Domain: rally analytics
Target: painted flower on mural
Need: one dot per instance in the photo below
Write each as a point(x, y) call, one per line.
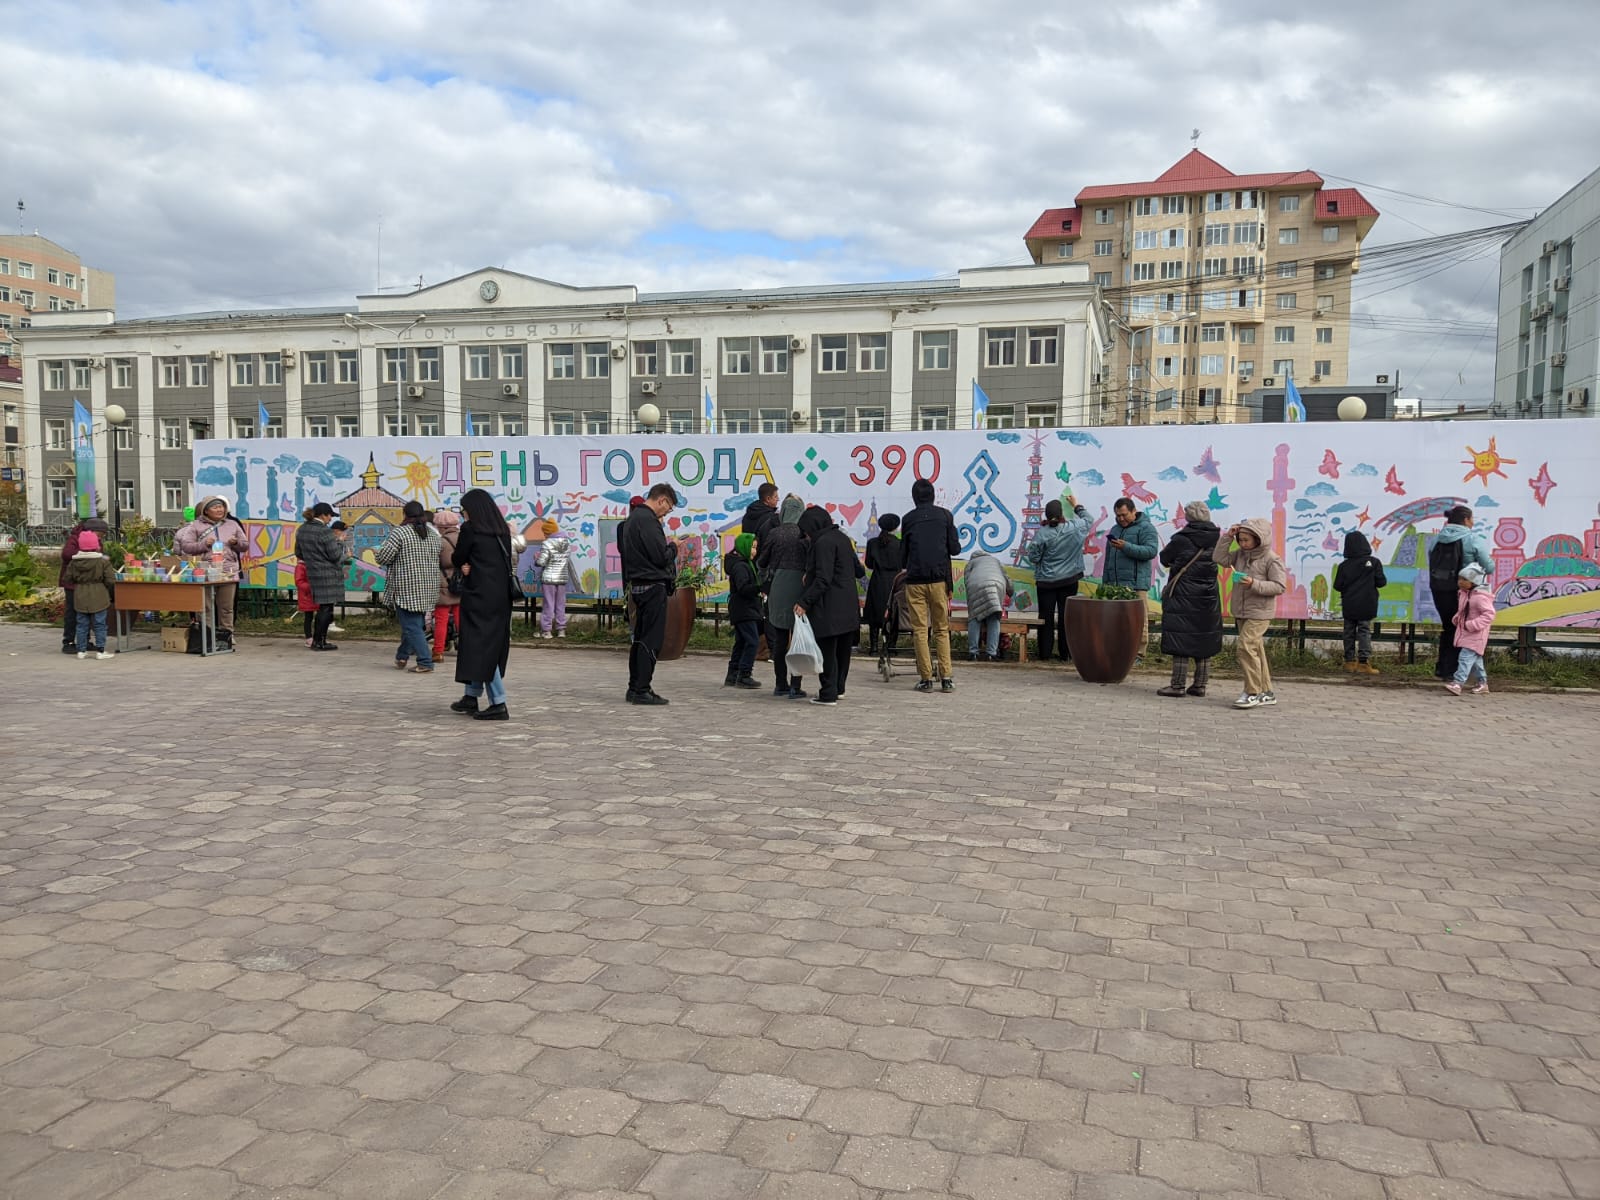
point(587, 529)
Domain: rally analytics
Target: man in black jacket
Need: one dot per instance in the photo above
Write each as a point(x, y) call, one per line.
point(650, 565)
point(763, 511)
point(929, 536)
point(830, 601)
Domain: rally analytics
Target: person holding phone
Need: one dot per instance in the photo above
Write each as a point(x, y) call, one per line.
point(1130, 549)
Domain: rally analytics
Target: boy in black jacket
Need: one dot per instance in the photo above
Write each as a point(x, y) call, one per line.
point(1357, 580)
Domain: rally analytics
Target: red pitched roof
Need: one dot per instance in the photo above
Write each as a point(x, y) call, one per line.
point(1340, 204)
point(1054, 223)
point(1195, 172)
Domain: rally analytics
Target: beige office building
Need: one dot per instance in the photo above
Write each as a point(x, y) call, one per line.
point(1215, 284)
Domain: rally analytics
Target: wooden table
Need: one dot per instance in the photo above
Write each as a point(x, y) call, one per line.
point(1020, 625)
point(141, 595)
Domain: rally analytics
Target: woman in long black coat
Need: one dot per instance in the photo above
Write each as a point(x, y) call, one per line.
point(1191, 609)
point(885, 557)
point(324, 557)
point(830, 599)
point(484, 555)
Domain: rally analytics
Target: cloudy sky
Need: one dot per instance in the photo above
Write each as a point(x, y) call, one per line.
point(247, 153)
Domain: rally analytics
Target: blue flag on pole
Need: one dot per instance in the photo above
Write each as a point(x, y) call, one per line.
point(83, 458)
point(980, 405)
point(1294, 408)
point(711, 413)
point(266, 418)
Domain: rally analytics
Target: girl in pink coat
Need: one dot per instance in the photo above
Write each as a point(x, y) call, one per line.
point(1474, 616)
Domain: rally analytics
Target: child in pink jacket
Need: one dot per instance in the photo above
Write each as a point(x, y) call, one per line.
point(1473, 618)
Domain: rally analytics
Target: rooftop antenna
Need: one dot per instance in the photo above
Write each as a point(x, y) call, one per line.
point(377, 283)
point(21, 210)
point(1194, 138)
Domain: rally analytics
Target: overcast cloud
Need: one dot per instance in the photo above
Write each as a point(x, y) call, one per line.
point(230, 154)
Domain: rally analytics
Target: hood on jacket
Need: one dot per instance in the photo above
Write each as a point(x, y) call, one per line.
point(814, 520)
point(1474, 574)
point(200, 509)
point(1456, 533)
point(446, 522)
point(792, 510)
point(1356, 544)
point(1259, 526)
point(87, 554)
point(558, 544)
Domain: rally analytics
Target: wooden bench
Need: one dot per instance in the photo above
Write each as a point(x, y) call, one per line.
point(1020, 625)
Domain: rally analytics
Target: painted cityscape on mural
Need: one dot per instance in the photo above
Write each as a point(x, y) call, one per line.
point(1532, 486)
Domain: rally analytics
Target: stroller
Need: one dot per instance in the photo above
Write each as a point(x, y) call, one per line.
point(896, 619)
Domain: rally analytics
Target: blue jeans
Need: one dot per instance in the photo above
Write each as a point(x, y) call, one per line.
point(413, 637)
point(496, 686)
point(746, 641)
point(1468, 666)
point(98, 620)
point(989, 629)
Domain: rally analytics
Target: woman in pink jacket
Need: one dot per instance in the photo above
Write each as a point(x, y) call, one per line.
point(1474, 616)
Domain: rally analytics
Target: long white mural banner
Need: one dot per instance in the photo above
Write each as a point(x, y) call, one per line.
point(1533, 486)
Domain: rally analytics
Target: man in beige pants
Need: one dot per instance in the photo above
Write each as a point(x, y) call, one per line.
point(929, 536)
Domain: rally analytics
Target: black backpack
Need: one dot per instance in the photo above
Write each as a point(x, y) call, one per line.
point(1444, 565)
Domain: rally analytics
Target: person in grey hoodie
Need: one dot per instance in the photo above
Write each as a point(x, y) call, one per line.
point(1056, 556)
point(1454, 547)
point(988, 589)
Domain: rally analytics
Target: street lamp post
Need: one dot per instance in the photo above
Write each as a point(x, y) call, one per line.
point(354, 322)
point(116, 420)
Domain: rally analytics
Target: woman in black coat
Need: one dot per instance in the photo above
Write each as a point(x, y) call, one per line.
point(830, 599)
point(324, 555)
point(1191, 609)
point(484, 555)
point(885, 557)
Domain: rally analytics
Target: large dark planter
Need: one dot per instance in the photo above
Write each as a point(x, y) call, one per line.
point(680, 623)
point(1106, 637)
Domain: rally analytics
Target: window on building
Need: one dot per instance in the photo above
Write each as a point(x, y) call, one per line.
point(349, 366)
point(682, 420)
point(597, 422)
point(1243, 298)
point(596, 360)
point(872, 420)
point(55, 376)
point(1174, 205)
point(1143, 272)
point(429, 360)
point(1000, 416)
point(1102, 279)
point(316, 367)
point(1167, 366)
point(935, 350)
point(171, 434)
point(1288, 204)
point(427, 424)
point(244, 370)
point(933, 416)
point(1244, 264)
point(55, 435)
point(244, 427)
point(1247, 368)
point(1283, 333)
point(1246, 233)
point(1289, 237)
point(1042, 415)
point(1144, 206)
point(396, 425)
point(680, 357)
point(1288, 270)
point(126, 500)
point(1042, 347)
point(1219, 201)
point(1145, 239)
point(872, 352)
point(480, 362)
point(736, 356)
point(1168, 335)
point(1172, 269)
point(272, 369)
point(1325, 302)
point(5, 295)
point(1212, 364)
point(51, 275)
point(511, 362)
point(1000, 347)
point(1323, 367)
point(25, 298)
point(199, 371)
point(1327, 271)
point(395, 365)
point(1286, 301)
point(24, 270)
point(1102, 216)
point(1216, 234)
point(1213, 267)
point(349, 426)
point(317, 427)
point(833, 420)
point(1102, 248)
point(735, 420)
point(773, 420)
point(1282, 367)
point(563, 359)
point(1247, 335)
point(60, 494)
point(69, 280)
point(1172, 239)
point(54, 304)
point(512, 426)
point(774, 359)
point(1324, 335)
point(1330, 233)
point(125, 435)
point(1063, 249)
point(562, 422)
point(5, 266)
point(1142, 305)
point(1210, 397)
point(174, 495)
point(645, 360)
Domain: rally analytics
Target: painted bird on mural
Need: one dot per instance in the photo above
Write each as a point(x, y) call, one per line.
point(1208, 467)
point(1330, 465)
point(1216, 500)
point(1393, 484)
point(1134, 489)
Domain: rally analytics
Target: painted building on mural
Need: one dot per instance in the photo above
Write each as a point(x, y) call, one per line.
point(495, 353)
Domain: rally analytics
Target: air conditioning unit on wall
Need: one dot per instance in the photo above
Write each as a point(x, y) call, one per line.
point(1578, 398)
point(416, 391)
point(619, 352)
point(511, 390)
point(649, 387)
point(797, 345)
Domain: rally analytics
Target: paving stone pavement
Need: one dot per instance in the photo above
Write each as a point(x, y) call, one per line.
point(280, 925)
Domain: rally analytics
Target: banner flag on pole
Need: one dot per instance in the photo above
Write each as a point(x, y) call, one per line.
point(1294, 408)
point(980, 405)
point(711, 413)
point(83, 458)
point(266, 418)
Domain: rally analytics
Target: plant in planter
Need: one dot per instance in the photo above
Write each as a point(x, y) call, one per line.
point(681, 607)
point(1106, 631)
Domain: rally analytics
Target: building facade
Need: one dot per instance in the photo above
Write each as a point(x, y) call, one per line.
point(1547, 356)
point(38, 276)
point(497, 353)
point(1216, 283)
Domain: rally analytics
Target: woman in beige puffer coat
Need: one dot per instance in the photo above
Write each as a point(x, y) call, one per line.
point(1259, 578)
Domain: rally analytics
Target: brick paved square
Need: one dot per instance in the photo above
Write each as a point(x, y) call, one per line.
point(910, 947)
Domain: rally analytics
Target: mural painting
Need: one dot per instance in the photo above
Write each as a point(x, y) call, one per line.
point(1533, 485)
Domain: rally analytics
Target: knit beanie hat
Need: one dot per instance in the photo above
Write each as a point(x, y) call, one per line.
point(88, 540)
point(551, 528)
point(1473, 574)
point(1197, 510)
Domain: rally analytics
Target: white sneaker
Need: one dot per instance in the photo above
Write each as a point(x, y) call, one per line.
point(102, 656)
point(544, 635)
point(1247, 700)
point(1266, 698)
point(83, 654)
point(561, 633)
point(335, 628)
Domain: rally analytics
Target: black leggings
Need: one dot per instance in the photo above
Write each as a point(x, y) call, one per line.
point(310, 621)
point(1053, 612)
point(324, 618)
point(778, 648)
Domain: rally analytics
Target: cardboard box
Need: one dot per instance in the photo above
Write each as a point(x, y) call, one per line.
point(175, 639)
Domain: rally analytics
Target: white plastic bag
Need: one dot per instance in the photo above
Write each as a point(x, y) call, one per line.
point(805, 656)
